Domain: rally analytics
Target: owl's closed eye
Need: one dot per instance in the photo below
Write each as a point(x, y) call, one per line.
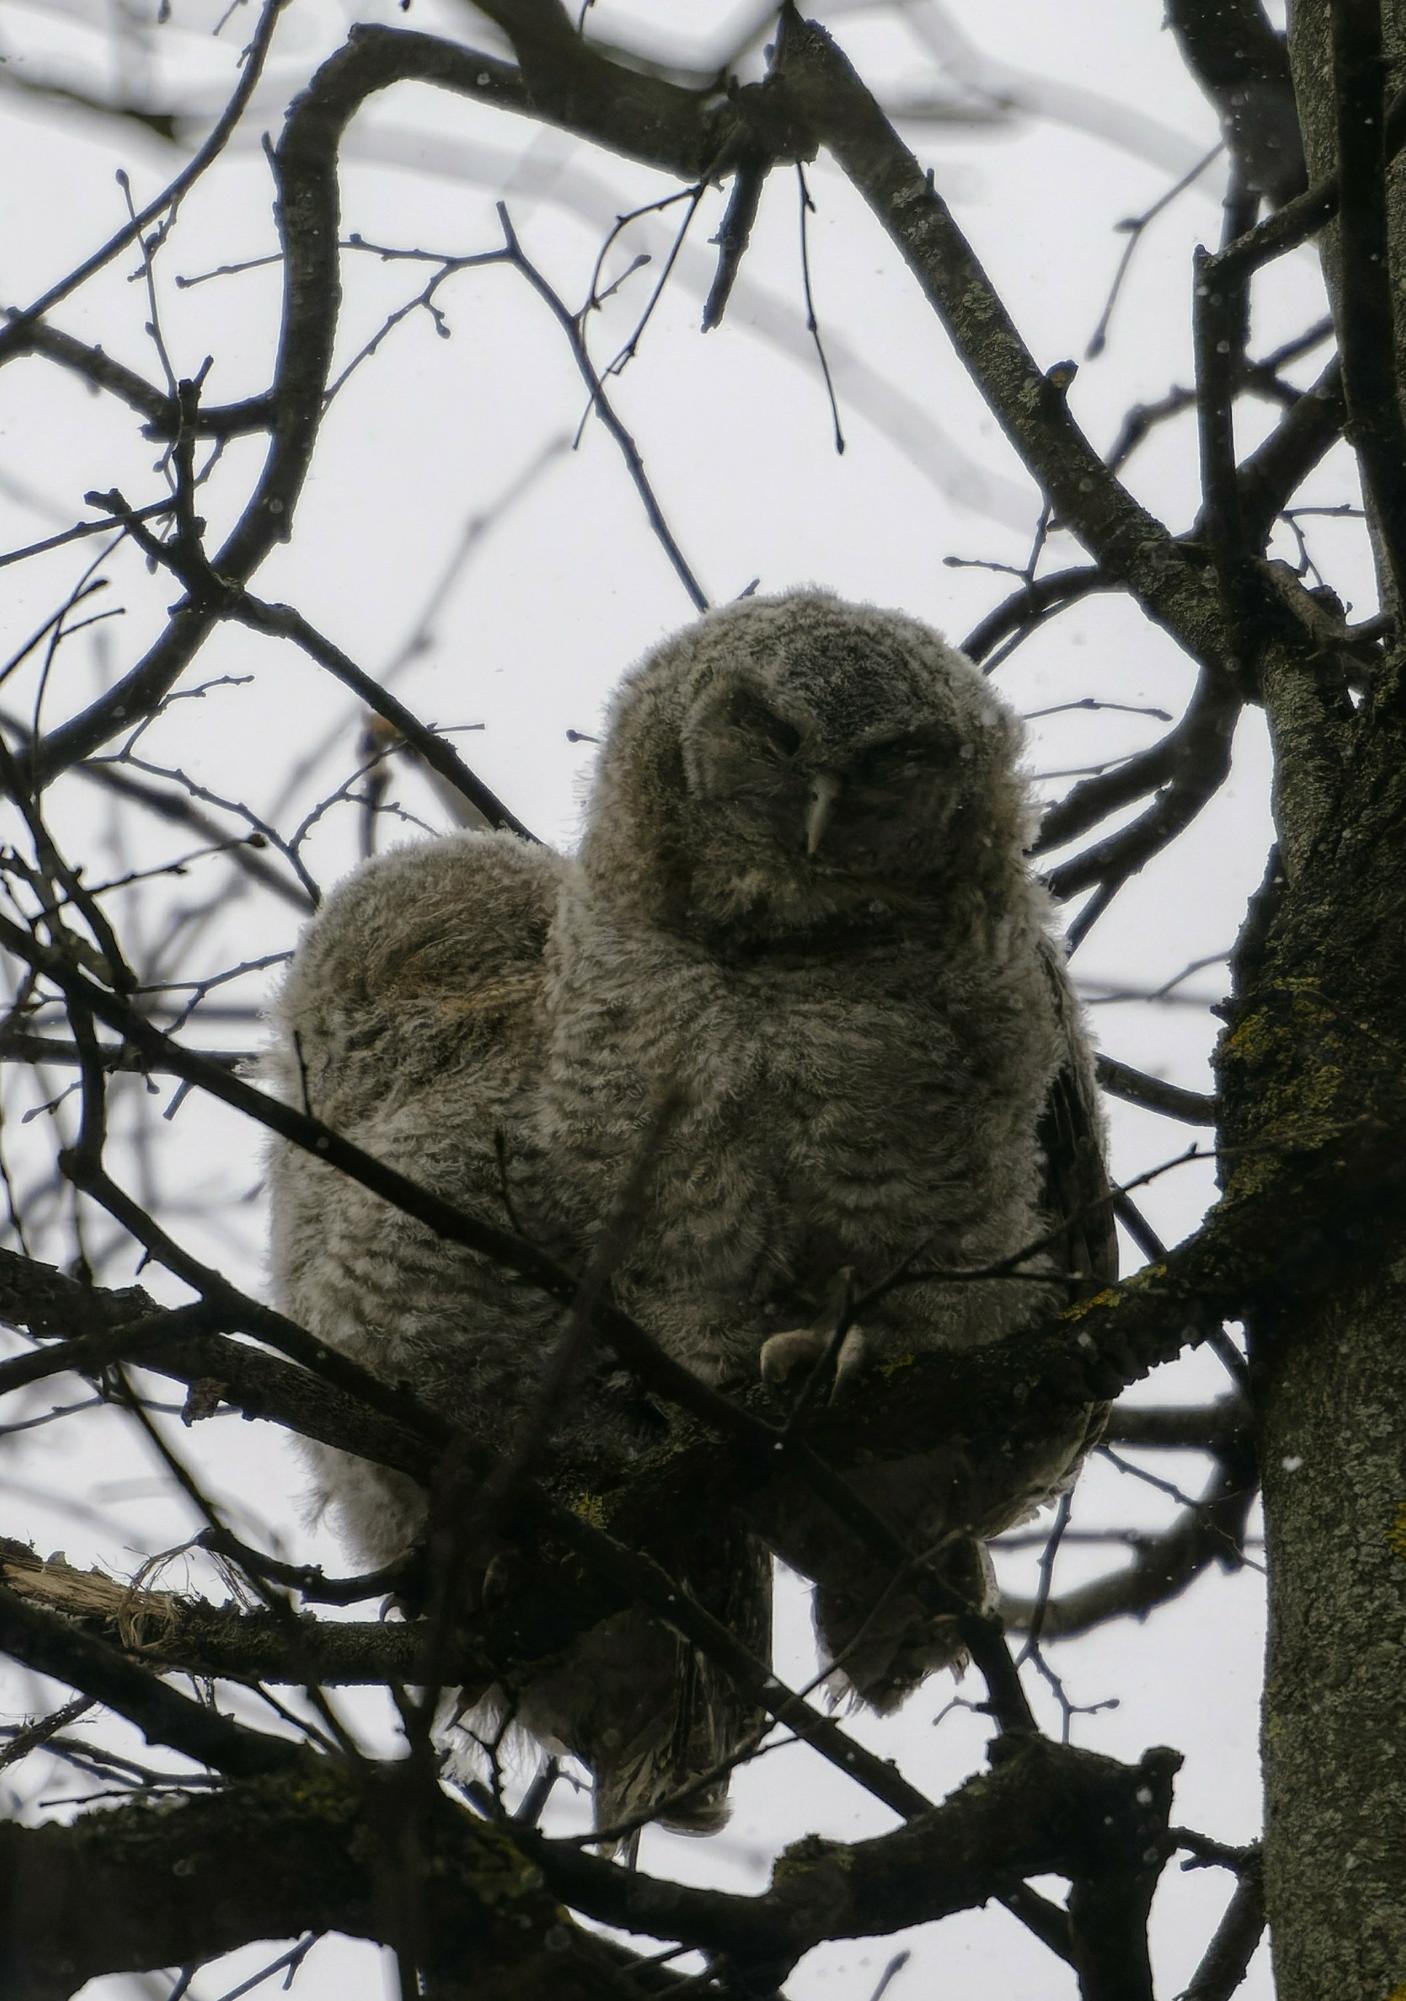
point(758, 728)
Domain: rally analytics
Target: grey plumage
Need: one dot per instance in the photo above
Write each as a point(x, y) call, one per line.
point(800, 961)
point(411, 1021)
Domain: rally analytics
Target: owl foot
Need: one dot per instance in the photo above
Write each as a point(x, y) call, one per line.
point(795, 1354)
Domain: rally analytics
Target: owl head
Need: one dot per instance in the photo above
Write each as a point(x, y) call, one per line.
point(792, 762)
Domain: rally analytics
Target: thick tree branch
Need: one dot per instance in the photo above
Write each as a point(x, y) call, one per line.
point(1227, 1957)
point(146, 1886)
point(1276, 468)
point(1131, 545)
point(173, 1632)
point(217, 1370)
point(1243, 66)
point(564, 81)
point(1179, 1427)
point(52, 1645)
point(1033, 602)
point(17, 1046)
point(1305, 215)
point(264, 1859)
point(1155, 1094)
point(94, 364)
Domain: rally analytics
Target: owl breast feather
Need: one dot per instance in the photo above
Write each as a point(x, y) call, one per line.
point(804, 1117)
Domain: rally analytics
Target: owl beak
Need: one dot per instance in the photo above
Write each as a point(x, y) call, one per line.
point(824, 791)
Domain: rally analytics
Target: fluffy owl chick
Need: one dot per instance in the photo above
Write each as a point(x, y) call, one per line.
point(412, 1022)
point(804, 923)
point(406, 1023)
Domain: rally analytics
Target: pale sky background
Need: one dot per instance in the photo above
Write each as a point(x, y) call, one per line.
point(559, 592)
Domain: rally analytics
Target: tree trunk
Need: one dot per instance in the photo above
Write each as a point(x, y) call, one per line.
point(1316, 1058)
point(1314, 1066)
point(1314, 1076)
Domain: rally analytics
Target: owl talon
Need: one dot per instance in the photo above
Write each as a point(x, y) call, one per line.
point(783, 1355)
point(798, 1351)
point(849, 1363)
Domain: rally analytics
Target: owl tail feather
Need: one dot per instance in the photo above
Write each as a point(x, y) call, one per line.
point(669, 1724)
point(882, 1642)
point(668, 1771)
point(640, 1790)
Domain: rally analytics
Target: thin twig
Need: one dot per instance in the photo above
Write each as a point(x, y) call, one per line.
point(601, 405)
point(12, 336)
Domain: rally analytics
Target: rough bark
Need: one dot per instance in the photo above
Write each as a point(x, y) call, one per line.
point(1313, 1065)
point(374, 1853)
point(1318, 1043)
point(156, 1884)
point(1307, 1244)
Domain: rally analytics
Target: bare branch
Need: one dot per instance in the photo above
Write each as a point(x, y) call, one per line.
point(1227, 1957)
point(1209, 1531)
point(13, 336)
point(1155, 1094)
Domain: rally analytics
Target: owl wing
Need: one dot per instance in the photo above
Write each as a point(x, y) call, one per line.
point(1077, 1201)
point(1077, 1198)
point(425, 963)
point(886, 1640)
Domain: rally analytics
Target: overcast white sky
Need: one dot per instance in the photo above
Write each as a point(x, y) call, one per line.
point(564, 588)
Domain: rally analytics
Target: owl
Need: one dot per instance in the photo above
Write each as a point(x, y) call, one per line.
point(802, 916)
point(792, 1019)
point(412, 1021)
